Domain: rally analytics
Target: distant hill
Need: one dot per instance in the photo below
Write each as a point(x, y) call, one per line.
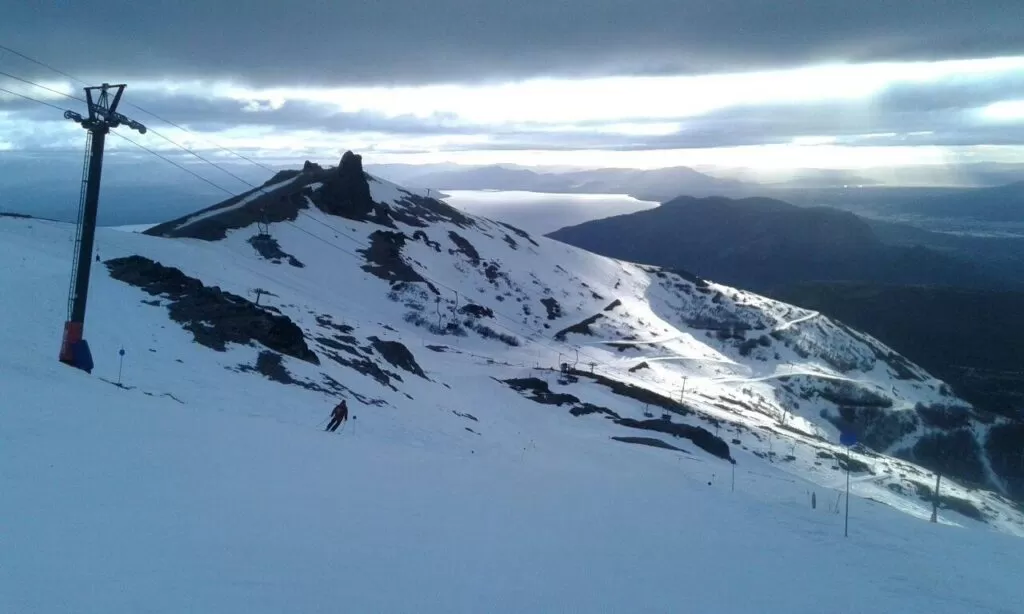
point(762, 243)
point(999, 204)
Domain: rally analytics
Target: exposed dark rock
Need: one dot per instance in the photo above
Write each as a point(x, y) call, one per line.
point(856, 466)
point(384, 259)
point(511, 242)
point(580, 328)
point(585, 409)
point(214, 317)
point(540, 390)
point(637, 367)
point(492, 272)
point(553, 308)
point(636, 393)
point(419, 235)
point(283, 175)
point(346, 192)
point(611, 306)
point(541, 393)
point(466, 416)
point(339, 343)
point(464, 247)
point(521, 233)
point(489, 333)
point(398, 355)
point(328, 322)
point(438, 348)
point(262, 204)
point(365, 366)
point(270, 366)
point(849, 394)
point(649, 441)
point(308, 166)
point(415, 210)
point(478, 311)
point(701, 437)
point(268, 247)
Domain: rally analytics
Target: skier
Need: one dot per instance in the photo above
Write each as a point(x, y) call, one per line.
point(338, 415)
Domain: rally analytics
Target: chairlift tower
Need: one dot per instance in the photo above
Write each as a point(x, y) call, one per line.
point(102, 116)
point(262, 226)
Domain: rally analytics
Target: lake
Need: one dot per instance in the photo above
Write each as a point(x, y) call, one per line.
point(540, 212)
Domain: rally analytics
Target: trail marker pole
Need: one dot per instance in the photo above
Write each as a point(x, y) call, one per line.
point(120, 365)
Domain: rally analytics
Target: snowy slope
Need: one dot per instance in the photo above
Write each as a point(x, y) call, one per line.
point(475, 477)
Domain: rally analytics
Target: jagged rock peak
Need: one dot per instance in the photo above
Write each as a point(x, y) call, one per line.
point(351, 164)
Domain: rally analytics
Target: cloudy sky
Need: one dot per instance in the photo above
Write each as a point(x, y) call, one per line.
point(641, 83)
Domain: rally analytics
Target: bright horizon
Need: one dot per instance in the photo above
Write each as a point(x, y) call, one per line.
point(707, 121)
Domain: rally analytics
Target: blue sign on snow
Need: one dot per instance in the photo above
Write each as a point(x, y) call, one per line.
point(847, 438)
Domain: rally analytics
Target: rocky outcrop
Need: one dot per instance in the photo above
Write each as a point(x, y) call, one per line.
point(214, 317)
point(346, 192)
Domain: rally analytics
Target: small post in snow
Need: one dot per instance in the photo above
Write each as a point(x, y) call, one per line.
point(732, 487)
point(935, 502)
point(120, 365)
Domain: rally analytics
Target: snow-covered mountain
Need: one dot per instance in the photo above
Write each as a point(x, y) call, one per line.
point(478, 343)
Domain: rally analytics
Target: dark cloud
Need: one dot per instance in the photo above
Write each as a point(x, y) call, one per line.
point(31, 111)
point(335, 42)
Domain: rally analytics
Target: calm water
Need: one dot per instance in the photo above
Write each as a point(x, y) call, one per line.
point(541, 213)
